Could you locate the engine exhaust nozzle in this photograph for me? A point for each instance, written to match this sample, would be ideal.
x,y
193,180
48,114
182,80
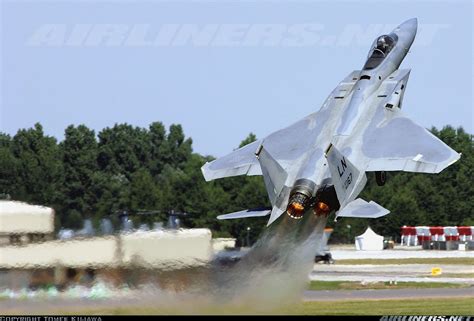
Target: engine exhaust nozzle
x,y
297,206
300,198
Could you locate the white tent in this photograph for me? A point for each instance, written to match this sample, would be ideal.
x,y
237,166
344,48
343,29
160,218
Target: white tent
x,y
369,241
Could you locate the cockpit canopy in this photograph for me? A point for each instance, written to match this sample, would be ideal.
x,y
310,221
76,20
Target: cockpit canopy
x,y
380,49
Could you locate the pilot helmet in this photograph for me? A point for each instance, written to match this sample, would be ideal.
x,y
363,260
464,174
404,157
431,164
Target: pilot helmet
x,y
382,42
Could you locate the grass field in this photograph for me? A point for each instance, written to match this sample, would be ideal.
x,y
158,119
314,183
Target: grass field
x,y
454,275
346,285
445,306
454,260
389,307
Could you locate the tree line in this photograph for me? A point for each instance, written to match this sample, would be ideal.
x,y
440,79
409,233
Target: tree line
x,y
89,176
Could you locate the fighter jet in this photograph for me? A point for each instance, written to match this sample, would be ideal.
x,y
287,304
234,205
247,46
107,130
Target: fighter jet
x,y
321,162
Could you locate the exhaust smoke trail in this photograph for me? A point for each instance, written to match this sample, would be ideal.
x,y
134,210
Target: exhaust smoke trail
x,y
273,273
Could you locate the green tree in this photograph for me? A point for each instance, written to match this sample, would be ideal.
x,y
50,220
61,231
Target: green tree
x,y
39,171
249,139
123,149
157,138
79,150
111,194
144,195
176,150
147,168
8,166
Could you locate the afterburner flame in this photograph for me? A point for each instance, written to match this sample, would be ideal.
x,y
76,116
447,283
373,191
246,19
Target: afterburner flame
x,y
321,208
295,210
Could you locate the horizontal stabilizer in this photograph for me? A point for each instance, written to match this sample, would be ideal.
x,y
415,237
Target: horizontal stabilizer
x,y
361,209
246,213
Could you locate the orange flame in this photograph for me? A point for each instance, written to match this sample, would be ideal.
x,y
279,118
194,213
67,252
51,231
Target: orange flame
x,y
295,210
321,208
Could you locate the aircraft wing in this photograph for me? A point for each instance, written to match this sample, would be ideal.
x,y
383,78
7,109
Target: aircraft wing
x,y
286,146
393,142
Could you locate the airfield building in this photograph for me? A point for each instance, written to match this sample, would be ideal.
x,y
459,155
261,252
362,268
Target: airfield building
x,y
22,223
30,256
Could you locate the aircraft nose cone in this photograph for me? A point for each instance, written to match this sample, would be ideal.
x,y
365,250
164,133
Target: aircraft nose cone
x,y
410,25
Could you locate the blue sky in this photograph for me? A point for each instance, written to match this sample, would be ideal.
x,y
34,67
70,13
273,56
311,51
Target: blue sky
x,y
59,66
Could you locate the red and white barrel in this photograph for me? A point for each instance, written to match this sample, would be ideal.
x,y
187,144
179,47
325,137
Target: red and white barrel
x,y
437,233
465,233
451,233
409,236
423,233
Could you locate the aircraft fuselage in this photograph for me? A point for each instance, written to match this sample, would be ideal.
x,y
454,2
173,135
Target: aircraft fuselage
x,y
349,109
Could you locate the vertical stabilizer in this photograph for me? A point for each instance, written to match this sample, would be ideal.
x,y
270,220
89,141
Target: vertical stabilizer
x,y
348,180
273,174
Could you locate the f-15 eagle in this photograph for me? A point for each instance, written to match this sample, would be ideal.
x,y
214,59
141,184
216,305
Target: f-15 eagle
x,y
320,162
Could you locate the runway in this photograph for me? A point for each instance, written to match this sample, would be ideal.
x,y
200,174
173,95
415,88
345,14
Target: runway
x,y
348,252
392,272
340,295
15,306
